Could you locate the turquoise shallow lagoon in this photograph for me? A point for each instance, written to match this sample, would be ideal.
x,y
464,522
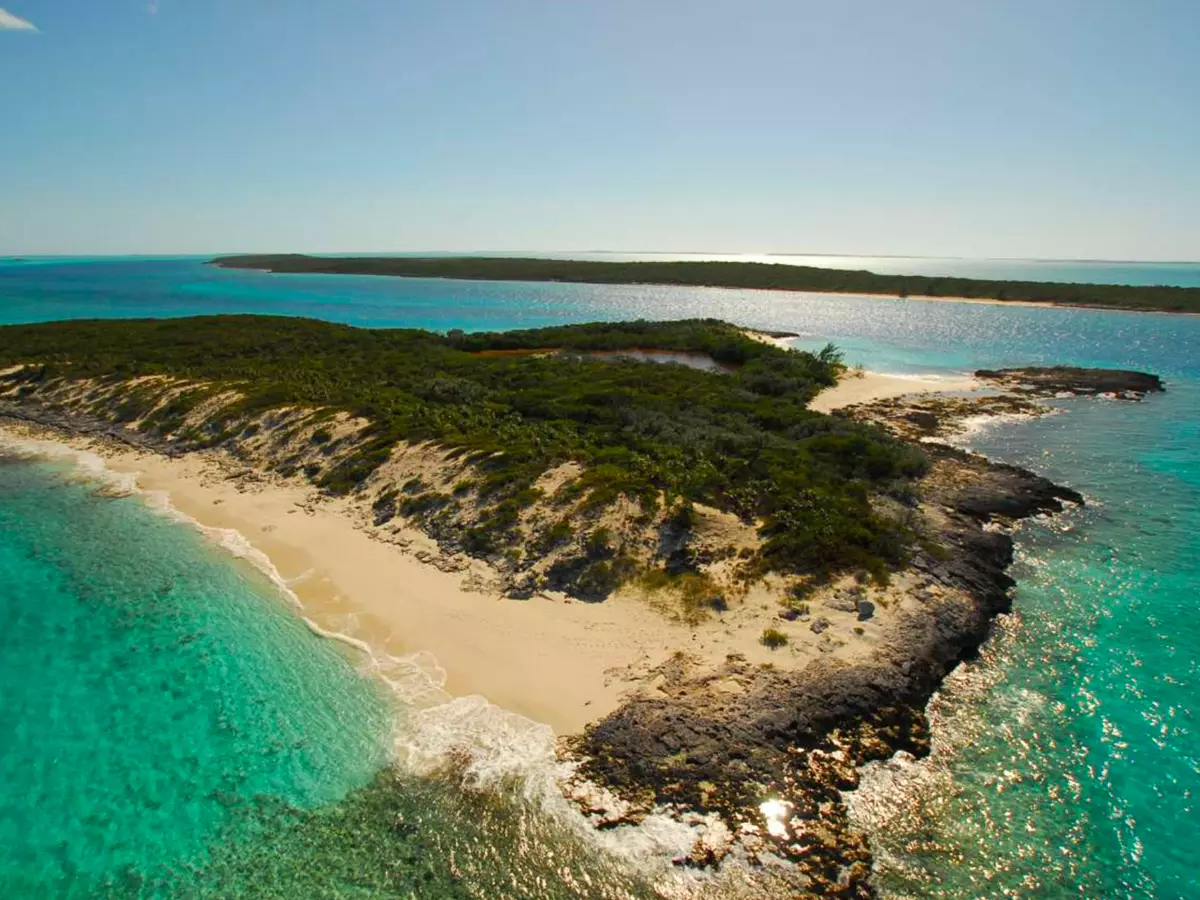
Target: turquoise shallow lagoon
x,y
1068,758
153,692
171,728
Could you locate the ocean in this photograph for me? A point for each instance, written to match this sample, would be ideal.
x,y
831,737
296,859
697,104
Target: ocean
x,y
171,728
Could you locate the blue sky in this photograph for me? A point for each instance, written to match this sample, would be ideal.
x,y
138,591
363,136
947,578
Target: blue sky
x,y
1050,128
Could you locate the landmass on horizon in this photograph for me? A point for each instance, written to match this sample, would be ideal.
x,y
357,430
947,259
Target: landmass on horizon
x,y
672,475
708,273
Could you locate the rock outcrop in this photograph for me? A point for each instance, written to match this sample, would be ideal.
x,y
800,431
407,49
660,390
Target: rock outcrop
x,y
1053,380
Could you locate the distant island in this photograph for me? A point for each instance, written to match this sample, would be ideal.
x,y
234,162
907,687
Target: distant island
x,y
759,276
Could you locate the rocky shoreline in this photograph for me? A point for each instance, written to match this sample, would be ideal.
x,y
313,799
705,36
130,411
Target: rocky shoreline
x,y
759,756
768,753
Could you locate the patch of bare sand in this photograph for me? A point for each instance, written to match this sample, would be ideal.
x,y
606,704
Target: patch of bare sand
x,y
869,386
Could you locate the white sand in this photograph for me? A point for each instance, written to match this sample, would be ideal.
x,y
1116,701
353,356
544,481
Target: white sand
x,y
554,660
876,386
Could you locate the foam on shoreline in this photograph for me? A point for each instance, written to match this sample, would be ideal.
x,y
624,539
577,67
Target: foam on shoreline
x,y
481,745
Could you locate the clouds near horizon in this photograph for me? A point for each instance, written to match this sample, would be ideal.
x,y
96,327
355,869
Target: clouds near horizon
x,y
9,22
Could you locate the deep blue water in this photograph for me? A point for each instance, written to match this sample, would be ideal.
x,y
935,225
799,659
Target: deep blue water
x,y
1069,760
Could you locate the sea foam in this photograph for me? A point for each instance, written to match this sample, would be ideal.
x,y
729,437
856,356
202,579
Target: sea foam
x,y
484,747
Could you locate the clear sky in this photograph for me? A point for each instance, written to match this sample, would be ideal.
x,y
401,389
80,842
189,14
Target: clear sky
x,y
1050,128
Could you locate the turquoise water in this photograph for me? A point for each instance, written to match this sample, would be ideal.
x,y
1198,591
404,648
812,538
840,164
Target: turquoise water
x,y
1068,758
131,287
170,728
153,692
1181,274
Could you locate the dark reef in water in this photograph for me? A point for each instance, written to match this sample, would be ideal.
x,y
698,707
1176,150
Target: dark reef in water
x,y
1053,380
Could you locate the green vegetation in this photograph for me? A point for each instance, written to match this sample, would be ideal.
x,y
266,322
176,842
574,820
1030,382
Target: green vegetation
x,y
773,639
765,276
665,436
696,594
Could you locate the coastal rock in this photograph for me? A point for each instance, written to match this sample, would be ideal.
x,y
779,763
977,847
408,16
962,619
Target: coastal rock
x,y
1055,380
710,847
81,423
971,484
844,600
801,734
522,585
926,421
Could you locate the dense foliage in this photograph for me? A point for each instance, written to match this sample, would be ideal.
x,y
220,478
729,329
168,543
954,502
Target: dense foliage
x,y
765,276
744,442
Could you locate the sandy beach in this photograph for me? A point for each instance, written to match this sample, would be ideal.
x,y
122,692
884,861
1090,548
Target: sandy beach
x,y
857,386
555,660
868,386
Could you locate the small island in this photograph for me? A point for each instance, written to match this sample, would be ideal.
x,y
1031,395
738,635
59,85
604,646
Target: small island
x,y
759,276
785,588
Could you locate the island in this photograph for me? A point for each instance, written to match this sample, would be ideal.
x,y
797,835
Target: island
x,y
759,276
724,601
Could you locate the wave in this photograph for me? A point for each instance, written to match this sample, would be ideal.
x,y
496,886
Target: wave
x,y
949,377
482,746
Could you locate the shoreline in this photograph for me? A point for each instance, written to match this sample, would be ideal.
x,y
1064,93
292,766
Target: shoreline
x,y
393,597
650,705
868,387
729,275
867,295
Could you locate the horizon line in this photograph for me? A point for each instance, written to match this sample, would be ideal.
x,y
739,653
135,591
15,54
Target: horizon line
x,y
535,253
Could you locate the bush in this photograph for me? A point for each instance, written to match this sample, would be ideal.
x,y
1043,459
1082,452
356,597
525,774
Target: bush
x,y
773,639
684,517
742,441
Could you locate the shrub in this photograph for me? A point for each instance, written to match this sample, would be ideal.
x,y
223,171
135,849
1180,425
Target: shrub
x,y
742,441
684,517
773,639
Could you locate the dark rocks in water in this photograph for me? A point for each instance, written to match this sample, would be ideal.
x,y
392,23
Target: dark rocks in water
x,y
799,734
1048,381
982,489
